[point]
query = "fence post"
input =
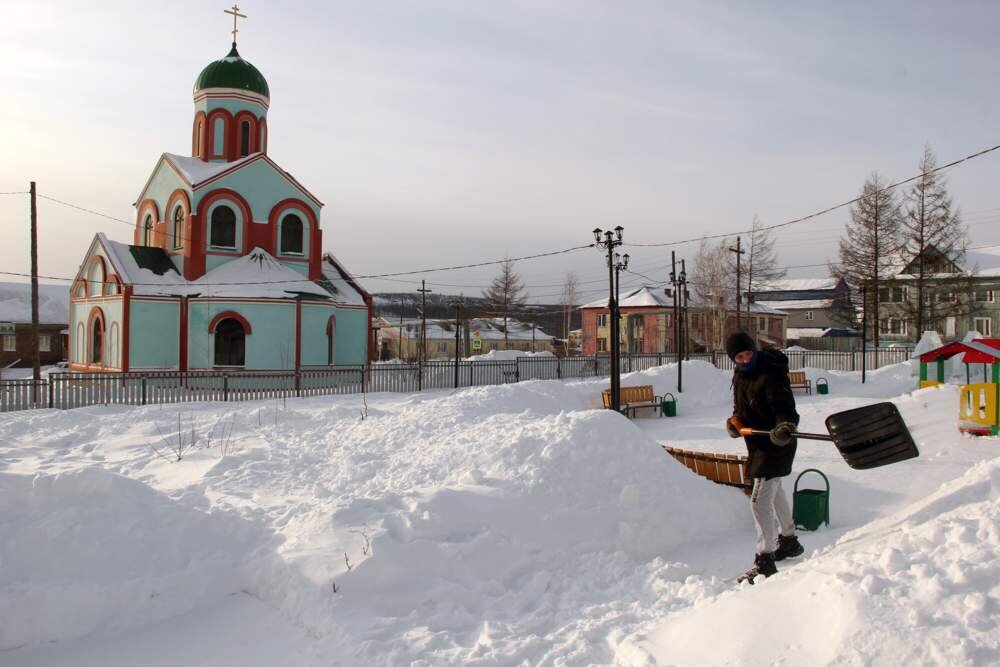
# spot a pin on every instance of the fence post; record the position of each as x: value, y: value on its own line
x: 50, y: 393
x: 298, y: 383
x: 225, y: 387
x: 143, y: 390
x: 558, y: 368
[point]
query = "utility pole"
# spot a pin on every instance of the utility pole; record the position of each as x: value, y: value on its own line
x: 457, y: 305
x: 36, y: 370
x: 612, y: 239
x: 684, y: 311
x: 422, y: 357
x: 864, y: 330
x: 739, y: 288
x: 400, y: 347
x: 676, y: 287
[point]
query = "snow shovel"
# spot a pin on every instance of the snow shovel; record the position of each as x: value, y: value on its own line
x: 867, y: 437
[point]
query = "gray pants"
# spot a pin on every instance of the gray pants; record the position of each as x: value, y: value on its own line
x: 768, y: 503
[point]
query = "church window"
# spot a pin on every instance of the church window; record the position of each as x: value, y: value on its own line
x: 291, y: 234
x: 244, y: 138
x: 230, y: 343
x: 178, y: 231
x: 147, y: 230
x: 223, y: 227
x: 96, y: 340
x: 198, y: 139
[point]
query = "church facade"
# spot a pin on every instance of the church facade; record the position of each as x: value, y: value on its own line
x: 226, y: 269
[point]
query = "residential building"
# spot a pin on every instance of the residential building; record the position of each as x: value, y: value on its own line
x: 16, y: 342
x: 820, y: 314
x: 401, y: 340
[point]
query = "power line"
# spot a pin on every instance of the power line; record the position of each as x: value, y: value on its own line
x: 826, y: 210
x: 18, y: 192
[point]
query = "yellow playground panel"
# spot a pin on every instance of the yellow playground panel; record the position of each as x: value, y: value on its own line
x: 979, y: 402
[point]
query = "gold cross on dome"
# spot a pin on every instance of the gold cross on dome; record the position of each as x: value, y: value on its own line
x: 235, y: 11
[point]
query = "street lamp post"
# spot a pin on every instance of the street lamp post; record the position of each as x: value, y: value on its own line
x: 610, y: 240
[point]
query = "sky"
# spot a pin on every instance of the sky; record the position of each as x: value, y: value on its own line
x: 441, y: 133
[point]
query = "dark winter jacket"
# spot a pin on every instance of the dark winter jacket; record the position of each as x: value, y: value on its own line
x: 762, y: 398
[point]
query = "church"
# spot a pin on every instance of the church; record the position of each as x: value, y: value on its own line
x: 226, y: 269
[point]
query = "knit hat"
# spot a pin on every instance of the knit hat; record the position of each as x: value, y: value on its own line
x: 739, y: 342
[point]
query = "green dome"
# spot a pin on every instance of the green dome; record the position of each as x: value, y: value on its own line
x: 232, y: 72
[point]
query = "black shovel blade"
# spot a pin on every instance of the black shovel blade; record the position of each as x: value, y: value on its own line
x: 872, y: 436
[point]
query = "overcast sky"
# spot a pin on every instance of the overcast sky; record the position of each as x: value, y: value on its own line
x: 441, y: 133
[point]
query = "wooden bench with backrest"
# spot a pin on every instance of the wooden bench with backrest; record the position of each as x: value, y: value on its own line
x: 727, y: 469
x: 633, y: 398
x: 798, y: 380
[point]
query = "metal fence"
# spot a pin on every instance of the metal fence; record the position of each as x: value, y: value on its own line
x: 74, y: 390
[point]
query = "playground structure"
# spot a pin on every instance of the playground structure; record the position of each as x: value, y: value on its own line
x: 979, y: 402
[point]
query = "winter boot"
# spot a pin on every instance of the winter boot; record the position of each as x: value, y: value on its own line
x: 788, y: 547
x: 763, y: 565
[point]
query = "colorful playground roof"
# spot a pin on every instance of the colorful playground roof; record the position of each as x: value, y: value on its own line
x: 979, y: 351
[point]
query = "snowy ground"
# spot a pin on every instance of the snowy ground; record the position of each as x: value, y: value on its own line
x: 501, y: 525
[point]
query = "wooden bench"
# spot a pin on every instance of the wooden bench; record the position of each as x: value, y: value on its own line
x: 727, y: 469
x: 798, y: 380
x: 633, y: 398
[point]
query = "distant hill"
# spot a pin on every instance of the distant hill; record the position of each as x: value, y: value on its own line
x: 15, y: 303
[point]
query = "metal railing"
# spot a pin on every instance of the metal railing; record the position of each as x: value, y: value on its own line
x: 74, y: 390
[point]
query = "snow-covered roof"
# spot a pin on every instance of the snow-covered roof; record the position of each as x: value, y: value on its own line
x: 195, y: 170
x: 342, y: 282
x: 643, y: 297
x: 256, y: 274
x: 804, y: 332
x: 798, y: 284
x: 144, y: 281
x: 15, y: 303
x: 761, y: 308
x: 798, y: 304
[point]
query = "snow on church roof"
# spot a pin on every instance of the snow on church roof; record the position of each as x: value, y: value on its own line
x: 145, y: 281
x: 195, y: 170
x: 340, y: 280
x: 257, y: 274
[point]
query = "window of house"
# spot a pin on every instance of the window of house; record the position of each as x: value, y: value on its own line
x: 223, y: 227
x: 197, y: 138
x: 291, y: 234
x: 442, y: 347
x: 96, y: 340
x: 331, y: 342
x: 244, y: 138
x: 984, y: 295
x: 178, y: 231
x: 9, y: 343
x: 892, y: 294
x: 892, y: 325
x: 984, y: 325
x: 602, y: 344
x: 946, y: 297
x: 761, y: 324
x: 230, y: 343
x: 602, y: 319
x: 44, y: 343
x: 809, y: 315
x: 147, y: 230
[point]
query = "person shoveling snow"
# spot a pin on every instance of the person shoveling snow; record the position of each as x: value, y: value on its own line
x: 762, y: 399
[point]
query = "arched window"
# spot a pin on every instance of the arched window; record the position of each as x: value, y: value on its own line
x: 291, y: 234
x: 223, y: 227
x: 96, y: 340
x: 198, y: 139
x: 331, y: 340
x: 147, y: 230
x: 178, y: 231
x: 230, y: 343
x: 245, y: 138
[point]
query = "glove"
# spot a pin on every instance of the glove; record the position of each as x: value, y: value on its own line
x: 733, y: 426
x: 781, y: 434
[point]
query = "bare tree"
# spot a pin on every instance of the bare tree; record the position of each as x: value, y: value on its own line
x: 505, y: 295
x: 714, y: 284
x: 869, y: 252
x: 569, y: 302
x: 763, y: 269
x: 934, y: 242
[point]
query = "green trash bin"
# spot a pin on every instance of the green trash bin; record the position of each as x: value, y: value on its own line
x: 811, y: 507
x: 822, y: 385
x: 669, y: 406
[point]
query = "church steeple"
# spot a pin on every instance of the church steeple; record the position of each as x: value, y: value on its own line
x: 231, y: 99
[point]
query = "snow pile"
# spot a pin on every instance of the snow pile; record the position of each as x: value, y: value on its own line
x: 508, y: 355
x: 920, y: 587
x: 90, y: 551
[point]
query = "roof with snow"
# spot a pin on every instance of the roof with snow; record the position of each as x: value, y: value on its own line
x: 649, y: 297
x: 799, y: 284
x: 196, y: 171
x: 341, y: 283
x: 257, y: 274
x: 797, y: 304
x: 15, y: 303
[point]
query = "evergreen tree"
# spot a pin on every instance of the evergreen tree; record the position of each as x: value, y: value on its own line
x: 869, y: 252
x: 505, y: 295
x: 934, y: 242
